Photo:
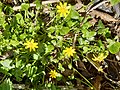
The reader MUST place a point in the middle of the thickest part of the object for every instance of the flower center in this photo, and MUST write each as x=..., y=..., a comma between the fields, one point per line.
x=63, y=9
x=31, y=44
x=54, y=74
x=69, y=51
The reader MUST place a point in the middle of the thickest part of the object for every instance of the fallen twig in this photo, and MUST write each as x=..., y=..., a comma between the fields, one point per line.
x=96, y=6
x=103, y=16
x=15, y=8
x=74, y=41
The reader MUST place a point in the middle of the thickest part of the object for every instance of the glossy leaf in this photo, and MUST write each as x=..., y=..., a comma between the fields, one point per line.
x=114, y=48
x=64, y=30
x=24, y=6
x=49, y=48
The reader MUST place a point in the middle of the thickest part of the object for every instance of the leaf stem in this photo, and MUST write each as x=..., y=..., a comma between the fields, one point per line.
x=89, y=84
x=3, y=78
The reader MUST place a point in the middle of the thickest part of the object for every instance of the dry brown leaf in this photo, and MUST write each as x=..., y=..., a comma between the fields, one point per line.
x=93, y=21
x=97, y=82
x=103, y=16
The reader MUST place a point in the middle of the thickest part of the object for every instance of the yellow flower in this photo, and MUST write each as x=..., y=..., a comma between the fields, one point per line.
x=91, y=88
x=99, y=58
x=69, y=51
x=53, y=74
x=31, y=44
x=100, y=69
x=63, y=9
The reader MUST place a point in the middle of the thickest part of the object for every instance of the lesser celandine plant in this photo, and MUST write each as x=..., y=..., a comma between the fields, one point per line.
x=50, y=49
x=69, y=51
x=63, y=9
x=31, y=45
x=53, y=74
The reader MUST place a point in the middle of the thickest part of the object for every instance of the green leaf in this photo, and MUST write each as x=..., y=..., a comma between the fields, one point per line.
x=6, y=85
x=49, y=48
x=114, y=2
x=110, y=42
x=35, y=56
x=24, y=6
x=114, y=48
x=70, y=66
x=31, y=70
x=59, y=41
x=103, y=31
x=64, y=30
x=100, y=24
x=101, y=45
x=2, y=18
x=85, y=49
x=59, y=77
x=50, y=31
x=84, y=31
x=6, y=64
x=23, y=36
x=38, y=4
x=53, y=87
x=89, y=35
x=14, y=42
x=18, y=74
x=71, y=23
x=19, y=19
x=73, y=14
x=83, y=42
x=18, y=63
x=86, y=25
x=60, y=67
x=53, y=42
x=9, y=10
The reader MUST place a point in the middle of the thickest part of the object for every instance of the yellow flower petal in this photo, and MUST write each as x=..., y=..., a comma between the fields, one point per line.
x=31, y=45
x=65, y=4
x=53, y=74
x=58, y=7
x=61, y=4
x=100, y=69
x=69, y=51
x=99, y=58
x=63, y=9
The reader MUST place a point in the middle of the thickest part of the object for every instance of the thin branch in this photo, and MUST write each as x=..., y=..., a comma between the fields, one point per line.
x=96, y=6
x=15, y=8
x=74, y=41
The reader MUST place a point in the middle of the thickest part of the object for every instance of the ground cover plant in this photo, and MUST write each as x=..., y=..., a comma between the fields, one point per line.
x=52, y=45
